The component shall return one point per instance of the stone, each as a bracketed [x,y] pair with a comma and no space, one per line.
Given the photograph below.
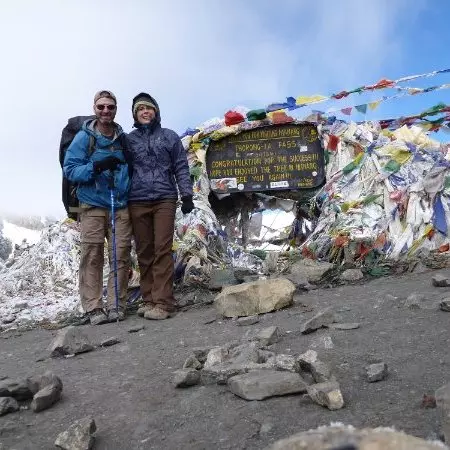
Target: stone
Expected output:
[219,278]
[255,298]
[320,320]
[109,342]
[265,428]
[33,384]
[442,396]
[327,394]
[19,389]
[192,363]
[344,326]
[342,437]
[186,377]
[286,362]
[311,270]
[440,281]
[259,385]
[444,305]
[307,359]
[376,372]
[70,341]
[9,319]
[310,363]
[201,353]
[269,336]
[48,394]
[244,353]
[215,356]
[352,275]
[49,378]
[136,329]
[320,372]
[415,301]
[246,321]
[79,436]
[8,405]
[301,284]
[220,374]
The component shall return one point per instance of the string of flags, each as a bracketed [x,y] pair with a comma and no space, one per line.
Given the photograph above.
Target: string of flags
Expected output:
[301,101]
[276,112]
[371,106]
[421,119]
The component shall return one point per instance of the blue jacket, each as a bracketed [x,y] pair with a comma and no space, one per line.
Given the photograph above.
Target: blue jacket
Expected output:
[159,163]
[93,189]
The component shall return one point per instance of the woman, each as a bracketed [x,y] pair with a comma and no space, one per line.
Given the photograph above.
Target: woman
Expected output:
[159,166]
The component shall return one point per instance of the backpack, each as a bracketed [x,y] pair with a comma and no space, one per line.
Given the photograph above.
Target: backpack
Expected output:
[69,196]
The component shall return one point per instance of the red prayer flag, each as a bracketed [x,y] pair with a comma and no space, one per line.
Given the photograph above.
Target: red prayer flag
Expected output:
[233,118]
[333,142]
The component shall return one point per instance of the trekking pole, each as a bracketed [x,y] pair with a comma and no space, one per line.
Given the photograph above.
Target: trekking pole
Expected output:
[113,230]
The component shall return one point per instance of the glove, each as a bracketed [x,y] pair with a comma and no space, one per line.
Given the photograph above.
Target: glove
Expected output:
[188,204]
[109,163]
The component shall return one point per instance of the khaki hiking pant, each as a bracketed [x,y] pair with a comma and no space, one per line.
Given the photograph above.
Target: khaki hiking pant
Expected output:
[153,227]
[95,227]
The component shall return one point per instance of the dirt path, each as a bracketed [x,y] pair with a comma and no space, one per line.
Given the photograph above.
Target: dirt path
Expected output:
[127,388]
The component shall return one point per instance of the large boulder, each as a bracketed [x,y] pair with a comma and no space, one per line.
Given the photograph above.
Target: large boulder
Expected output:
[256,297]
[258,385]
[340,436]
[70,341]
[308,270]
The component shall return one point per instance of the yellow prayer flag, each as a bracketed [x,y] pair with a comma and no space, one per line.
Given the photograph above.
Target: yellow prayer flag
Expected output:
[374,105]
[301,100]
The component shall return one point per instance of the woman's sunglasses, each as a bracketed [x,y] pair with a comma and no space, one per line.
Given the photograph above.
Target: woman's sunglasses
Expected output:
[108,107]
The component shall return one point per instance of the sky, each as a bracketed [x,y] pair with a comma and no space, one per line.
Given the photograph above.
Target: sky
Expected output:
[199,59]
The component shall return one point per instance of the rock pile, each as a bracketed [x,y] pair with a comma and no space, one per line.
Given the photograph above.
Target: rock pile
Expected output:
[253,372]
[43,392]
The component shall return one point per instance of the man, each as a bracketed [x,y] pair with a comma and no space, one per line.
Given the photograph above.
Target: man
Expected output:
[159,166]
[96,161]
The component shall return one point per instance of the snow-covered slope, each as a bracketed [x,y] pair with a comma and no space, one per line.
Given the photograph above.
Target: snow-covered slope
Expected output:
[17,234]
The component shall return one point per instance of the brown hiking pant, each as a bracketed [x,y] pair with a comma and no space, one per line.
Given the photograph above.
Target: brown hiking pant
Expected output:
[153,226]
[95,227]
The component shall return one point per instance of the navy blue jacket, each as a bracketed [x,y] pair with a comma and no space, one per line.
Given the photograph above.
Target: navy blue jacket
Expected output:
[159,163]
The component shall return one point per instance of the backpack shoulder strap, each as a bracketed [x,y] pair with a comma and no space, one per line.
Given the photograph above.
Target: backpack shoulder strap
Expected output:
[127,154]
[91,147]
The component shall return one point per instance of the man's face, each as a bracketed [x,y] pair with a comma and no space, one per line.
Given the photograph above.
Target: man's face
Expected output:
[105,109]
[145,114]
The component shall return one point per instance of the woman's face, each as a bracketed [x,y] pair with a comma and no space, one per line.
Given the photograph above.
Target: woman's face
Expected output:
[145,114]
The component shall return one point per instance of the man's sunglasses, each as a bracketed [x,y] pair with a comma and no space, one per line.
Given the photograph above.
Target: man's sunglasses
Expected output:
[108,107]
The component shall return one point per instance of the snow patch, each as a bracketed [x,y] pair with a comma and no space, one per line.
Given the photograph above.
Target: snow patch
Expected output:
[18,234]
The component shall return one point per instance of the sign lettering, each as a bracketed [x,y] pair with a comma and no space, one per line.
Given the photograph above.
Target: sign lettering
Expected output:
[278,157]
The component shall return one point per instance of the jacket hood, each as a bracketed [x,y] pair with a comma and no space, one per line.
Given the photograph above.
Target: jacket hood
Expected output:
[89,128]
[145,96]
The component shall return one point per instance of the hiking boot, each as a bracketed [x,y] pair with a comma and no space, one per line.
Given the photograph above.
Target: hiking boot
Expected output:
[113,315]
[157,313]
[142,309]
[97,317]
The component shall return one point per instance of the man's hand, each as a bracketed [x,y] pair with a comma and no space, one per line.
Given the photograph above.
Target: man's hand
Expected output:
[109,163]
[188,204]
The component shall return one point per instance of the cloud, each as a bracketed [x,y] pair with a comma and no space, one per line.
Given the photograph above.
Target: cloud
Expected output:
[197,58]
